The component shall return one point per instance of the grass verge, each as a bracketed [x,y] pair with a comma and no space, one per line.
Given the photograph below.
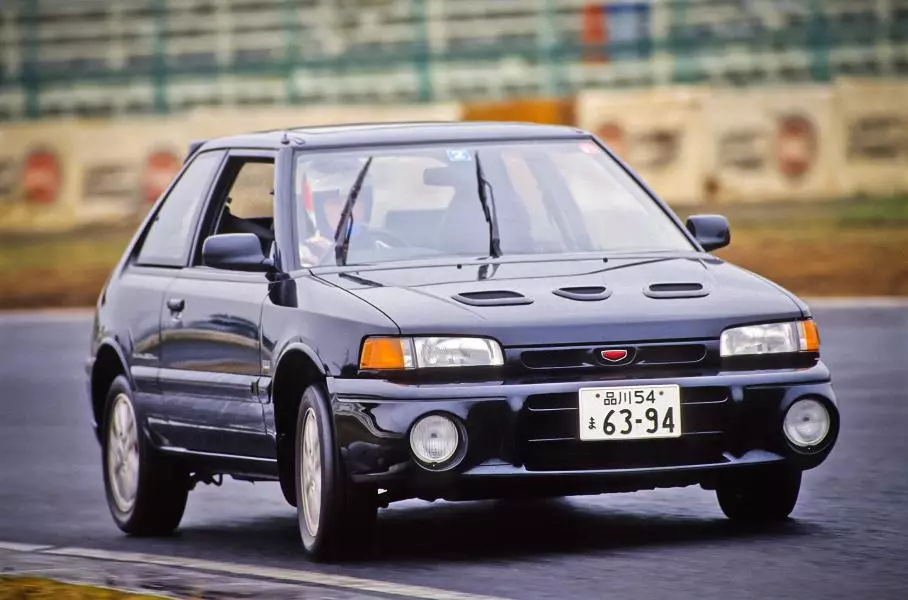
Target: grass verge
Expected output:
[843,248]
[33,588]
[59,271]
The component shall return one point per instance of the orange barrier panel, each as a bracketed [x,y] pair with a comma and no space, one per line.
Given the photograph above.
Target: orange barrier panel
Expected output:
[540,110]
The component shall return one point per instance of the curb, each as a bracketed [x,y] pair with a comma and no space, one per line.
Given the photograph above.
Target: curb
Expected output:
[848,302]
[49,315]
[159,574]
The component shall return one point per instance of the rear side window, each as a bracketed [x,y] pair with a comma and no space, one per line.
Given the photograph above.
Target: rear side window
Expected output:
[170,234]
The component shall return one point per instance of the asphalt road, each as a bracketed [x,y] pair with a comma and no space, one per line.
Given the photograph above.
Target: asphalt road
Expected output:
[848,538]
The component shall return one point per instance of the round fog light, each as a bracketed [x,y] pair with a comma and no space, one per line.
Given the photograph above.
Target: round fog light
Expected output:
[434,439]
[806,423]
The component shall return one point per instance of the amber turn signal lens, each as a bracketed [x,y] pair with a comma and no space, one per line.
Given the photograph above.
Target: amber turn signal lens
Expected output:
[810,336]
[382,353]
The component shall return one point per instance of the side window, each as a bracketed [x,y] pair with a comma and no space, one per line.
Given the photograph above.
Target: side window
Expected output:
[170,234]
[245,201]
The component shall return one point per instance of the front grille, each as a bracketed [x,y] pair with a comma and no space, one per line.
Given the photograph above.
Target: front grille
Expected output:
[548,435]
[587,357]
[671,354]
[557,359]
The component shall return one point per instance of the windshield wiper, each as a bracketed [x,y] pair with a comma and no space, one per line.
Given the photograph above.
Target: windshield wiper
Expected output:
[488,208]
[345,225]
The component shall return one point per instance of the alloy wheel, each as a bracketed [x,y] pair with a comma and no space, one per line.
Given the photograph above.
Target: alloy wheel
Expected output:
[311,473]
[123,453]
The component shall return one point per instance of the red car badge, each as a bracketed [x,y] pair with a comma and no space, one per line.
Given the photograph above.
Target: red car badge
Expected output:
[614,355]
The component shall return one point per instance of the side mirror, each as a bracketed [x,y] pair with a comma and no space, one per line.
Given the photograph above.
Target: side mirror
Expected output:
[710,230]
[236,252]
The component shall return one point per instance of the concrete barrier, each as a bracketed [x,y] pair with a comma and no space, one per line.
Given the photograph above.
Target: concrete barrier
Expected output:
[37,179]
[59,175]
[720,146]
[873,116]
[772,145]
[658,133]
[691,145]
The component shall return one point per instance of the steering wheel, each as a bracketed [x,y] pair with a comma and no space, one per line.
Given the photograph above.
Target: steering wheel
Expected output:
[321,252]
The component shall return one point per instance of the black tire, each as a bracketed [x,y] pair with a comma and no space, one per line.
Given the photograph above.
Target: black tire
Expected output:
[345,521]
[759,496]
[160,493]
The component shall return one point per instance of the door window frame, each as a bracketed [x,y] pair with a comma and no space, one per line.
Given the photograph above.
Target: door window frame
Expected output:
[217,195]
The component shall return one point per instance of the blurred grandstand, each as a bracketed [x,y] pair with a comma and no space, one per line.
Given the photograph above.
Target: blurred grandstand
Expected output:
[102,58]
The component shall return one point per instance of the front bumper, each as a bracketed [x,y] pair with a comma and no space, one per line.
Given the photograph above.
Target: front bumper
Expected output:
[522,438]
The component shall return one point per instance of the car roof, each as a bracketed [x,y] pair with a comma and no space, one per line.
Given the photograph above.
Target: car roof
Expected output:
[363,134]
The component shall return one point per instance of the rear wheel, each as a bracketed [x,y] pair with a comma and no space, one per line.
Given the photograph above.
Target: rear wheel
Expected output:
[146,492]
[764,495]
[336,517]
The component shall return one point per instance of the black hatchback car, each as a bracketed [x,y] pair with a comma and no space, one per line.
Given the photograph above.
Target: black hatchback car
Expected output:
[369,313]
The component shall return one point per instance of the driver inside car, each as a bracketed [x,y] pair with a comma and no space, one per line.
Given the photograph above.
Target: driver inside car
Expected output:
[327,194]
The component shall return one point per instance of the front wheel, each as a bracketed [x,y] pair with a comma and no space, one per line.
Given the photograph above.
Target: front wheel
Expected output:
[146,492]
[336,517]
[759,496]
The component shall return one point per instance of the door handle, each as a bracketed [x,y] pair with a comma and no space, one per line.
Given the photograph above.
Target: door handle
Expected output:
[176,305]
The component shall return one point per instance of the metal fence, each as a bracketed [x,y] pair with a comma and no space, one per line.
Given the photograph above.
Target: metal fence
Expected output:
[116,57]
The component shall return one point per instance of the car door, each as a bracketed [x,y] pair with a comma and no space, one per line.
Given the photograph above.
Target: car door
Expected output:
[210,325]
[161,251]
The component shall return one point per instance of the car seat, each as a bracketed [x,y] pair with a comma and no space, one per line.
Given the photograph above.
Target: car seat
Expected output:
[464,229]
[230,223]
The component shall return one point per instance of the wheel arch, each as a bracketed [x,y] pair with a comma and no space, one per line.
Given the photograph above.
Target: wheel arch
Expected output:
[109,363]
[297,369]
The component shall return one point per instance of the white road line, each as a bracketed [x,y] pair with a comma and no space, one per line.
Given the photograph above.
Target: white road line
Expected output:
[274,573]
[48,573]
[857,302]
[16,547]
[63,315]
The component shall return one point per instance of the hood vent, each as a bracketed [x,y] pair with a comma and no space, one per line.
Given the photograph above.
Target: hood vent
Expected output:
[589,293]
[676,290]
[492,298]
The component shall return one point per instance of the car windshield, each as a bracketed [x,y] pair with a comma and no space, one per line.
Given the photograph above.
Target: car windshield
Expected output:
[548,197]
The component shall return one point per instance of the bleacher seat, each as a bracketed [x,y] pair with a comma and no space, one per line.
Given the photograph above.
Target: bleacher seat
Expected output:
[384,51]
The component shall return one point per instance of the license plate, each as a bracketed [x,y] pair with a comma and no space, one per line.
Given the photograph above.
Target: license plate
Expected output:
[630,413]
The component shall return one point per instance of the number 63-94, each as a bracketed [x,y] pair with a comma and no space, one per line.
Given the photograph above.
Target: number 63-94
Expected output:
[621,422]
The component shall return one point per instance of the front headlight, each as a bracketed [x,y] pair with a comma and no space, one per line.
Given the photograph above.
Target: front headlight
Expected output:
[384,353]
[772,338]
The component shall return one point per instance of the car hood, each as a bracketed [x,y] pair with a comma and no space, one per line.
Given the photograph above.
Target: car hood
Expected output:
[524,303]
